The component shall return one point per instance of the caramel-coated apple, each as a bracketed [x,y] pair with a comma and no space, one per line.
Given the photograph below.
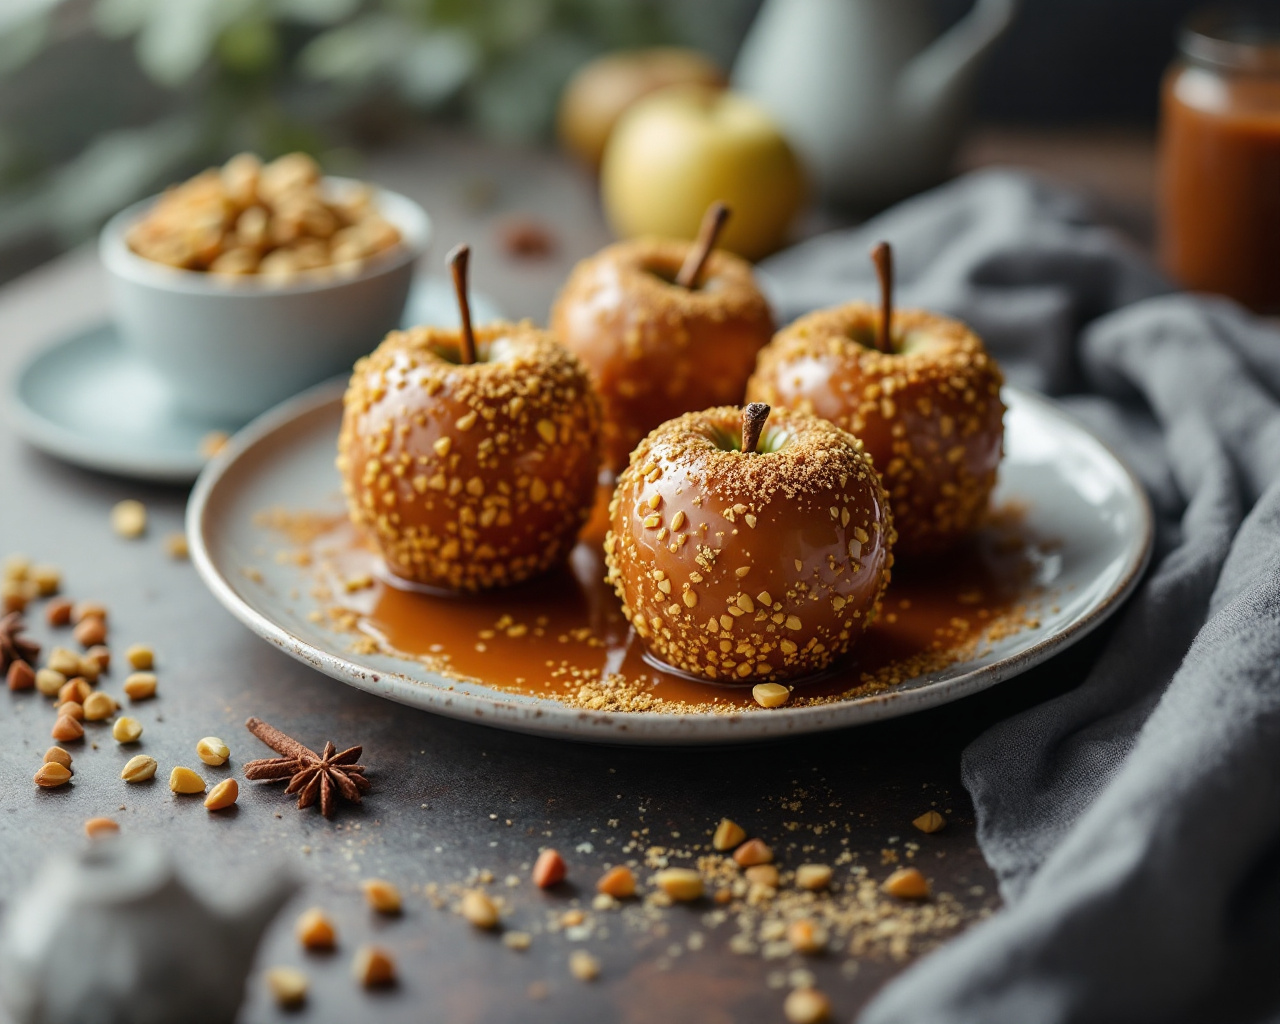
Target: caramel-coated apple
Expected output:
[470,457]
[921,392]
[747,555]
[664,327]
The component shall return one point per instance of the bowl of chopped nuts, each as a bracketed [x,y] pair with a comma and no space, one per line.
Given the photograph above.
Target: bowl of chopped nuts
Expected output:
[250,282]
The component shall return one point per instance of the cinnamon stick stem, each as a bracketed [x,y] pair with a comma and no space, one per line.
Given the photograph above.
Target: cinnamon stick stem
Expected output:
[753,418]
[695,260]
[458,259]
[286,746]
[882,257]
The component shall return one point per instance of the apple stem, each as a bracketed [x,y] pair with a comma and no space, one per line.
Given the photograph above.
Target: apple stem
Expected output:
[753,417]
[458,258]
[882,257]
[696,259]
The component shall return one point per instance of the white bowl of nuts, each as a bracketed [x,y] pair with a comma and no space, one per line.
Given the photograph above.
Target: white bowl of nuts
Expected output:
[250,282]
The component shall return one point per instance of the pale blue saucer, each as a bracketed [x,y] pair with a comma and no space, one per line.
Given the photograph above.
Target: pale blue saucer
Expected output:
[87,399]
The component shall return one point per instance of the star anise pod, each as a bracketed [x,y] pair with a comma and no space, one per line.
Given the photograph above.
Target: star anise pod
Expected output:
[13,645]
[312,776]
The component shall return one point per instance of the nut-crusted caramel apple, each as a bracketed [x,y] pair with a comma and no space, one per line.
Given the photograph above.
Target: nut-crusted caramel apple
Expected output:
[657,348]
[470,473]
[744,562]
[927,408]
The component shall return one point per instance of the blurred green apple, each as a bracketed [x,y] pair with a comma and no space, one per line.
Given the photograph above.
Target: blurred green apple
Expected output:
[677,151]
[603,89]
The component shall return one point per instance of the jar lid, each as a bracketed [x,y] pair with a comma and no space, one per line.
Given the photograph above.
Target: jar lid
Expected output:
[1237,38]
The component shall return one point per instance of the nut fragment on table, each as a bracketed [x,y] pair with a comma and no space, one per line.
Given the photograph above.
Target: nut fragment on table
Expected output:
[728,835]
[139,769]
[223,795]
[373,967]
[477,908]
[753,851]
[56,755]
[807,936]
[90,632]
[96,827]
[47,578]
[813,876]
[140,685]
[50,775]
[517,940]
[49,682]
[66,729]
[98,656]
[185,781]
[617,882]
[583,966]
[64,661]
[315,930]
[930,821]
[99,706]
[806,1006]
[126,730]
[74,690]
[72,709]
[288,986]
[907,884]
[57,613]
[762,874]
[381,895]
[141,657]
[212,750]
[681,884]
[549,869]
[272,221]
[129,519]
[21,676]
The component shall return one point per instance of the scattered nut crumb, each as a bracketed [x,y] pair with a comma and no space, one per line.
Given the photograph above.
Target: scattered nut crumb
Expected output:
[129,519]
[185,781]
[95,827]
[288,985]
[315,930]
[813,876]
[126,730]
[517,940]
[50,775]
[549,869]
[618,882]
[753,851]
[175,545]
[373,967]
[381,895]
[140,657]
[728,835]
[806,1006]
[583,966]
[930,821]
[907,884]
[140,685]
[213,751]
[139,769]
[223,795]
[477,908]
[682,884]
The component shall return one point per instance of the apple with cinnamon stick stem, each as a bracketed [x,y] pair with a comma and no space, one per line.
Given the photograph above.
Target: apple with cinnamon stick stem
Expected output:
[918,388]
[664,326]
[749,545]
[470,456]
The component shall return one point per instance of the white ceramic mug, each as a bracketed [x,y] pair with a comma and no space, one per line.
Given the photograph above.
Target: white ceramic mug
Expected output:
[230,348]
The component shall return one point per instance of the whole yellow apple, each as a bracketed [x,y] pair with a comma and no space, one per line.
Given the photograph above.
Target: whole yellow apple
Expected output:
[677,151]
[601,90]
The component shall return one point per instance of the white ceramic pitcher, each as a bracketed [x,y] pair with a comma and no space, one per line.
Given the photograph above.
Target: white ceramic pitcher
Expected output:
[868,92]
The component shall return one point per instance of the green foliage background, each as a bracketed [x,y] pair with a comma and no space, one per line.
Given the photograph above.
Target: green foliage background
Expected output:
[103,101]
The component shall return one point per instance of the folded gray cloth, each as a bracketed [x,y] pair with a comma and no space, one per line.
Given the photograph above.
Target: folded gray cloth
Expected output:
[1134,821]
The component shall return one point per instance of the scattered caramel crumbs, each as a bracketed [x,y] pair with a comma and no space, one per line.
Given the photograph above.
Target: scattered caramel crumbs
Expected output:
[373,967]
[288,986]
[381,895]
[315,930]
[583,966]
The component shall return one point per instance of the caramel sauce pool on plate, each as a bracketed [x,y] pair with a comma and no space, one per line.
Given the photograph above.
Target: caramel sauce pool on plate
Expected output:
[544,638]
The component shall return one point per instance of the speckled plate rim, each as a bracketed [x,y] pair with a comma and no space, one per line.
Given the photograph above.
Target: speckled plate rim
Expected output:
[546,717]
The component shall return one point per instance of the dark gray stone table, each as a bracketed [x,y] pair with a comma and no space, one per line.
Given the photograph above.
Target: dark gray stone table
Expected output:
[448,798]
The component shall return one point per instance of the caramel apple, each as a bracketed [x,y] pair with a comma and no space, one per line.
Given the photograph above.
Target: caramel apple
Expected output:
[746,550]
[470,456]
[664,326]
[921,392]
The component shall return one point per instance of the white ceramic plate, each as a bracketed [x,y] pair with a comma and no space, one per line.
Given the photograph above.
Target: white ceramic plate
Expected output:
[1073,487]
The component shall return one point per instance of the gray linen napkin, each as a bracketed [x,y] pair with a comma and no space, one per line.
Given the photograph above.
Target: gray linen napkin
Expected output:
[1134,821]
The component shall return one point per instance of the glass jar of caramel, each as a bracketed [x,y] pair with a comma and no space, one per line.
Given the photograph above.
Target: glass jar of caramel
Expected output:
[1219,214]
